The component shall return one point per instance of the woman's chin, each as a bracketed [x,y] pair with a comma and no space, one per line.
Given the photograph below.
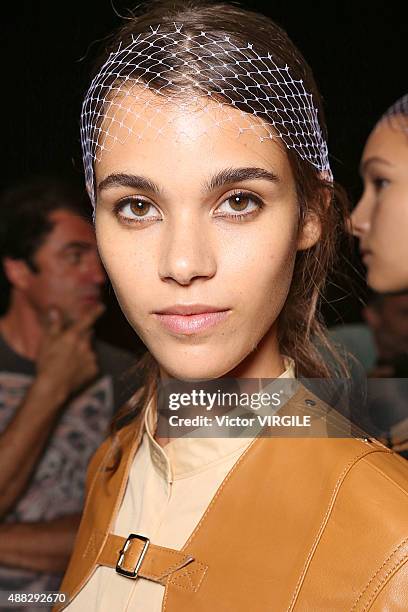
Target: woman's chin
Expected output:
[200,361]
[386,283]
[189,368]
[198,372]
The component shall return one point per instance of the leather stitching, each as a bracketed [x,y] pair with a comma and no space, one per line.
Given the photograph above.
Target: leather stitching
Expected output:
[88,573]
[384,580]
[218,492]
[184,559]
[202,569]
[384,475]
[323,524]
[102,463]
[365,589]
[295,398]
[92,546]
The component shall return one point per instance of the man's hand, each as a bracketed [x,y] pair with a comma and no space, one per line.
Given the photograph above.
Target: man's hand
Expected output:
[66,360]
[65,363]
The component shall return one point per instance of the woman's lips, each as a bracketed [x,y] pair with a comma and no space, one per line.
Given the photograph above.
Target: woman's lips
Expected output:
[191,323]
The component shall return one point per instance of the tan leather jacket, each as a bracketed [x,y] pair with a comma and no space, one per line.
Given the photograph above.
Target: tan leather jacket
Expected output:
[299,524]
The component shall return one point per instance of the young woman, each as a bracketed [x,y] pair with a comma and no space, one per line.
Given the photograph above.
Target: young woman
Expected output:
[380,219]
[380,222]
[216,220]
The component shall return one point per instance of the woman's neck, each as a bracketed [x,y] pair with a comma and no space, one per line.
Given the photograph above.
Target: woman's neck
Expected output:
[265,361]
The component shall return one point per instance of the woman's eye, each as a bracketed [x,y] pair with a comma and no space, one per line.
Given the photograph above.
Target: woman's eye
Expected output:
[137,210]
[239,205]
[380,183]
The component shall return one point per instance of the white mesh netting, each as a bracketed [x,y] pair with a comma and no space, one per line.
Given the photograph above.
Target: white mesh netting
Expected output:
[190,70]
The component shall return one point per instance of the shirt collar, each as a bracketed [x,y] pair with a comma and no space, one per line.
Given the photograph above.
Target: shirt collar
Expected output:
[184,456]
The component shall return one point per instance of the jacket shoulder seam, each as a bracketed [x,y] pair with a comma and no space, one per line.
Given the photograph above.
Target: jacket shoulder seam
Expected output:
[381,584]
[347,468]
[385,475]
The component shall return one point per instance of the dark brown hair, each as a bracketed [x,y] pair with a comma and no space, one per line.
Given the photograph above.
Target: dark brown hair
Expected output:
[301,333]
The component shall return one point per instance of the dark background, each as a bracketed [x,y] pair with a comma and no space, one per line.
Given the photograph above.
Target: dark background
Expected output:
[358,52]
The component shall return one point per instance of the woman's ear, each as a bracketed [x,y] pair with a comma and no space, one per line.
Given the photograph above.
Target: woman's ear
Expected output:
[311,229]
[310,232]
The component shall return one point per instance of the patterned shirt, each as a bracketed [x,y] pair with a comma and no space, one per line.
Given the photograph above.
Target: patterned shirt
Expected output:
[57,485]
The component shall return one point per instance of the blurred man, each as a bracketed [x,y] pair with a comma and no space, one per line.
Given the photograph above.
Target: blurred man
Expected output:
[381,345]
[58,387]
[387,317]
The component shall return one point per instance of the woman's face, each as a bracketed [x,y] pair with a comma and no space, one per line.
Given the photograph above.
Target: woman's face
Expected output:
[198,231]
[380,220]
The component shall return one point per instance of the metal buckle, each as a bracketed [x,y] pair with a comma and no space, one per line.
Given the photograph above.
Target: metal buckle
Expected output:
[132,574]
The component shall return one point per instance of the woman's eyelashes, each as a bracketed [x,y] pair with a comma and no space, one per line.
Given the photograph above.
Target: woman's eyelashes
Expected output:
[239,205]
[135,209]
[236,207]
[375,185]
[379,183]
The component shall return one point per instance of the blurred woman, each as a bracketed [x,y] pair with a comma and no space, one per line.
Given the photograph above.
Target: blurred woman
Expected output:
[380,219]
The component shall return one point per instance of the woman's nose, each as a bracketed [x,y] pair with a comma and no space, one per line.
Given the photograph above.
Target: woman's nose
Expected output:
[360,220]
[187,252]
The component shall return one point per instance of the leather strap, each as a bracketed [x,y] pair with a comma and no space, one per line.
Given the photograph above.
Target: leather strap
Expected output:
[158,561]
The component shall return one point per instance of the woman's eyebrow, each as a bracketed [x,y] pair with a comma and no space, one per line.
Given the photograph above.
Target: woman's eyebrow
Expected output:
[373,160]
[221,178]
[129,180]
[235,175]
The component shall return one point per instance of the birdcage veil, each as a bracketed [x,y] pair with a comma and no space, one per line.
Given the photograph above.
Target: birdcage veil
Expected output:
[216,73]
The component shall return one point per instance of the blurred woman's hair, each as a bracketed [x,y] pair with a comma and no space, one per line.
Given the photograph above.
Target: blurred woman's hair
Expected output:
[397,115]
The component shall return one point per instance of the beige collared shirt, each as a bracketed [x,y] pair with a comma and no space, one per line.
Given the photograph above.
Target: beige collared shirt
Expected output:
[168,490]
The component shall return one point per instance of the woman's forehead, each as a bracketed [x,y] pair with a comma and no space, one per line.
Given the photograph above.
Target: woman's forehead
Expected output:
[387,141]
[140,111]
[199,134]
